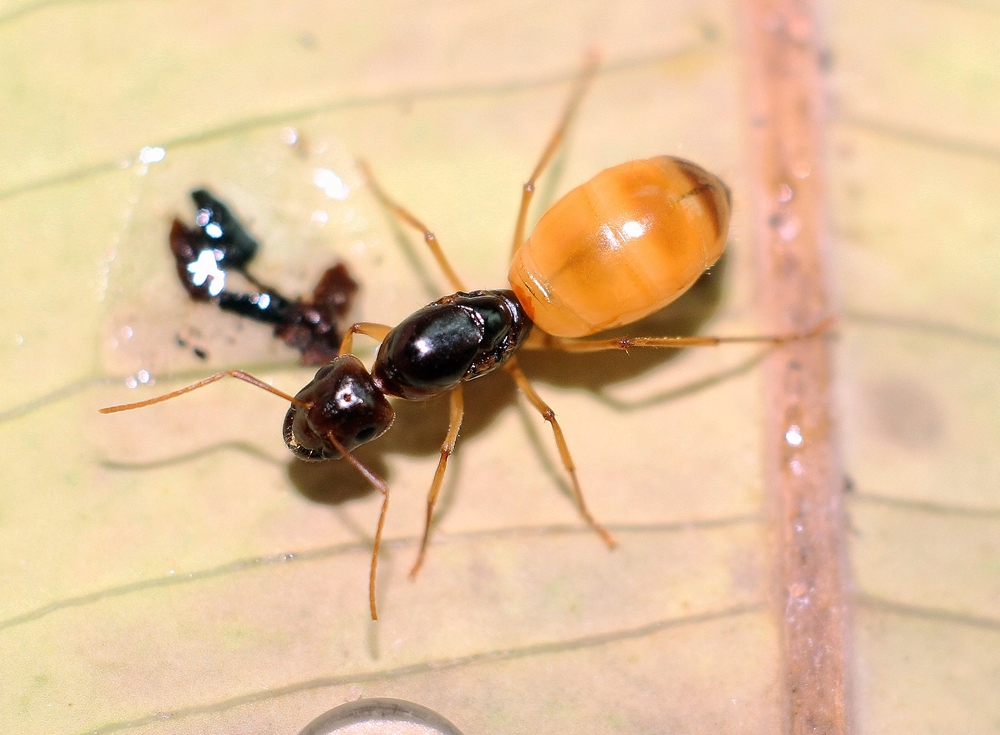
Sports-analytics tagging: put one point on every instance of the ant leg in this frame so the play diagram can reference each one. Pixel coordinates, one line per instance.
(528, 191)
(238, 374)
(549, 415)
(371, 329)
(383, 488)
(547, 341)
(429, 237)
(447, 448)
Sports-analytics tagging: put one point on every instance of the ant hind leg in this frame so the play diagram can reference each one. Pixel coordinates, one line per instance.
(539, 340)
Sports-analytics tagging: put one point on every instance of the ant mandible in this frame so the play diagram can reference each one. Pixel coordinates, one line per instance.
(621, 246)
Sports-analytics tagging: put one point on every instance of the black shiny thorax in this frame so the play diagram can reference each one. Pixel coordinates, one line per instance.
(458, 338)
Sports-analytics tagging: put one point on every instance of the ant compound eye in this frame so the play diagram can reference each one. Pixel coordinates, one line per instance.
(342, 401)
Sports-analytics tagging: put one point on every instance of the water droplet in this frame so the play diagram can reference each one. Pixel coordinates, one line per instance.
(331, 184)
(152, 154)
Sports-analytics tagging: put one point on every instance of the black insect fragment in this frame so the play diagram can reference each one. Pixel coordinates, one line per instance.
(218, 246)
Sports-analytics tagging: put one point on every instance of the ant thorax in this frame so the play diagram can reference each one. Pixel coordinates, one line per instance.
(457, 338)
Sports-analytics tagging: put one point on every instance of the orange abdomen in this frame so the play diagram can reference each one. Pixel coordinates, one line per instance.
(621, 246)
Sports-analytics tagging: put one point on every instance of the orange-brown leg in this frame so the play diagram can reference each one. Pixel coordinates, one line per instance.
(457, 411)
(549, 415)
(528, 191)
(429, 237)
(238, 374)
(380, 485)
(370, 329)
(539, 340)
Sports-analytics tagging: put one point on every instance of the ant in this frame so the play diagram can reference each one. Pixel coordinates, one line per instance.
(619, 247)
(219, 243)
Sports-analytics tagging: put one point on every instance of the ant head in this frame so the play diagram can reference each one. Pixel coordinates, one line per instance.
(341, 400)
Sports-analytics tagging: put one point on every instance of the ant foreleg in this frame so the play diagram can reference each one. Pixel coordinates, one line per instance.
(549, 415)
(370, 329)
(380, 485)
(238, 374)
(457, 411)
(429, 237)
(539, 340)
(528, 190)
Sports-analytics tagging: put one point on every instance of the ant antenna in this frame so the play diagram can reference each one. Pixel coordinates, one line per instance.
(377, 482)
(383, 488)
(238, 374)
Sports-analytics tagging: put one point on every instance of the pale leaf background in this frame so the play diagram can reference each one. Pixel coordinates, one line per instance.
(140, 555)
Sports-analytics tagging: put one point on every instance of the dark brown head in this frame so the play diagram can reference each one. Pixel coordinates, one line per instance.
(341, 400)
